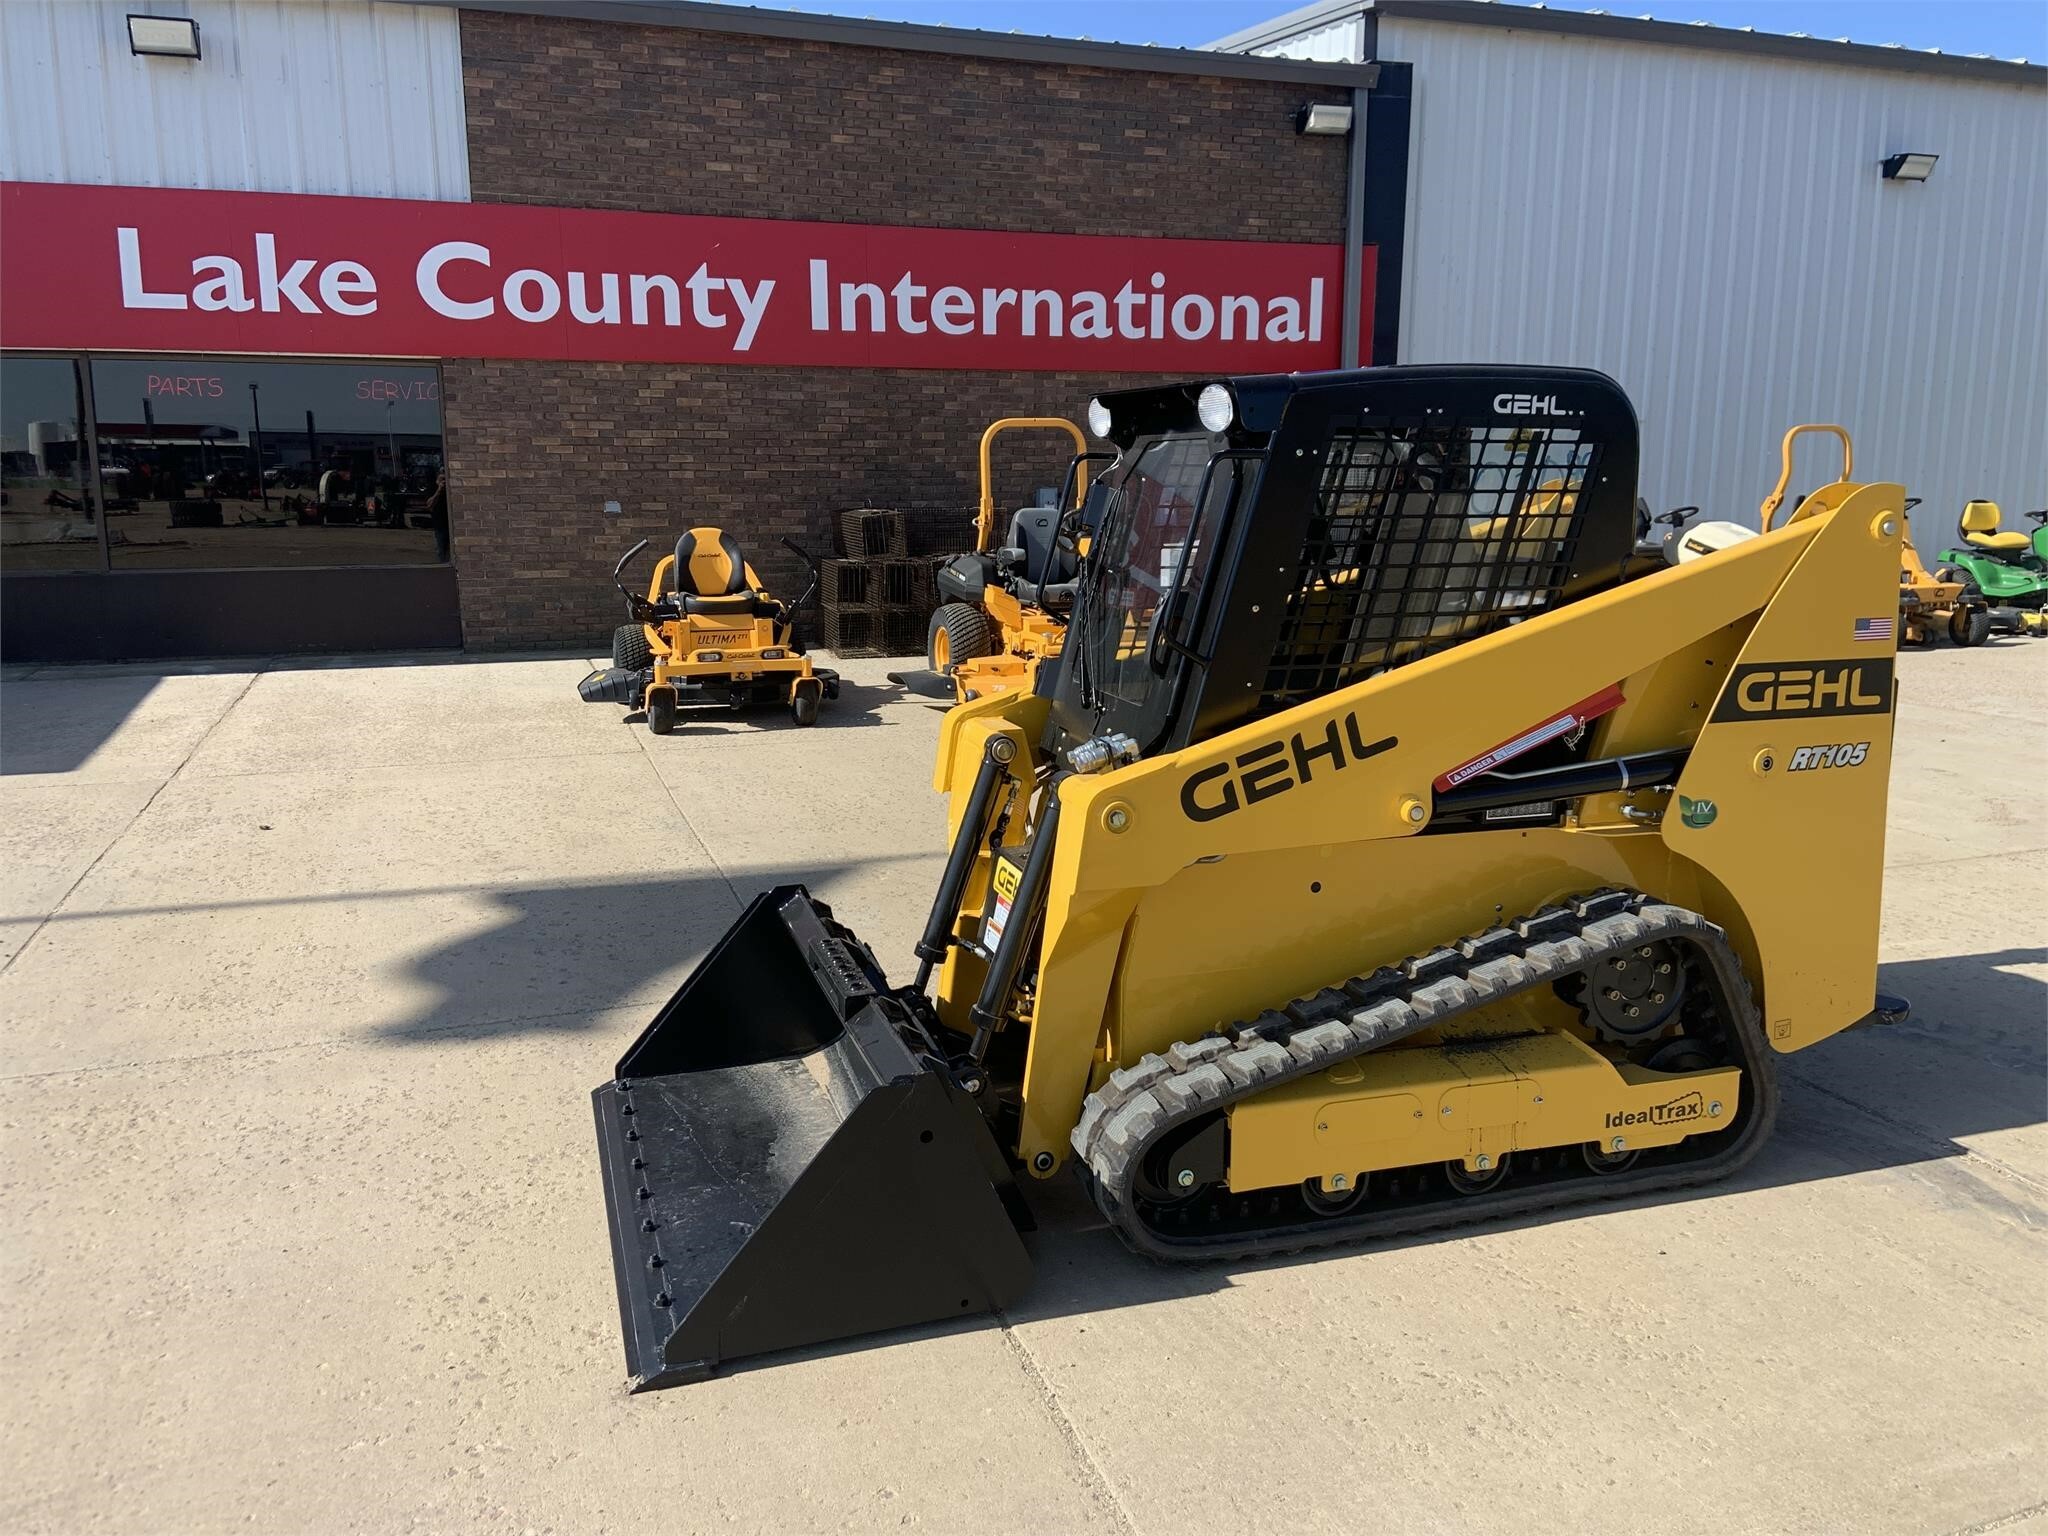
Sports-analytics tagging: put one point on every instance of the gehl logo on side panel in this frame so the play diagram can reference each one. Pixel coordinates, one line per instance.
(1796, 690)
(1274, 768)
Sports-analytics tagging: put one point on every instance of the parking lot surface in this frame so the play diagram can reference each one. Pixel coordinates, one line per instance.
(309, 970)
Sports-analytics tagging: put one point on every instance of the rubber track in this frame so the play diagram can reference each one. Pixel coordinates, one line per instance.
(1121, 1121)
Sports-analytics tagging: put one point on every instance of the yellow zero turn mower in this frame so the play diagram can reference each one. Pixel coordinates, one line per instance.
(708, 632)
(1946, 602)
(1387, 849)
(1003, 608)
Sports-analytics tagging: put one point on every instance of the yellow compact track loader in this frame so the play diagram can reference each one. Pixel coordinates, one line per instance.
(1391, 846)
(1003, 608)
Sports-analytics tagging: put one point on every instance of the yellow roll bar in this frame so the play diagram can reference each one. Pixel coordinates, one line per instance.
(1776, 499)
(985, 518)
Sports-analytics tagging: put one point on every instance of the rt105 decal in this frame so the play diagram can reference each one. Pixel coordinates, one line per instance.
(1847, 754)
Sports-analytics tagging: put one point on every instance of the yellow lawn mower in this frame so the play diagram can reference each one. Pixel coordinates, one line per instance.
(1003, 606)
(708, 632)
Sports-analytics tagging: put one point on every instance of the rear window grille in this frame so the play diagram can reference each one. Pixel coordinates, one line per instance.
(1425, 535)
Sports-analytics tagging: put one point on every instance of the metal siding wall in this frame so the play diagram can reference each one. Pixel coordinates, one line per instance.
(1340, 42)
(331, 96)
(1713, 231)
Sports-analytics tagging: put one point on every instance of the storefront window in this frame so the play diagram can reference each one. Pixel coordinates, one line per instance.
(212, 464)
(47, 519)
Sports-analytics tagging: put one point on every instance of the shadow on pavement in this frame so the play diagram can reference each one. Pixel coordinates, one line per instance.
(1973, 1061)
(55, 729)
(858, 704)
(58, 715)
(567, 956)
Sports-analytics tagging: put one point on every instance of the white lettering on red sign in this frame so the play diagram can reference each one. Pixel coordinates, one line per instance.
(338, 283)
(1090, 313)
(163, 268)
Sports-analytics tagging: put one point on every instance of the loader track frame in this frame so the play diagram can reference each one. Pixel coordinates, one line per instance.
(1141, 1107)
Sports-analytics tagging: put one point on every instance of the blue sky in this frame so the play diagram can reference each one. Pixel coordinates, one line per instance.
(2007, 28)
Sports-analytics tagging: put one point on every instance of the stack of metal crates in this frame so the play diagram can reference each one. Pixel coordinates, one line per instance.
(875, 600)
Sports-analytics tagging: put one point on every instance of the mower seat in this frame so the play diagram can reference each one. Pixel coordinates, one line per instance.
(1035, 530)
(714, 581)
(1980, 530)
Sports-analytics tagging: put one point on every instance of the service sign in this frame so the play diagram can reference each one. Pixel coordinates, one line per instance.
(162, 269)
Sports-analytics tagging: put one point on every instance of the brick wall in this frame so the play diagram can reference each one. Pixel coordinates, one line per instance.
(659, 119)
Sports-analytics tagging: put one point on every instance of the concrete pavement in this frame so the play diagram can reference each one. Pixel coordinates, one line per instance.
(308, 972)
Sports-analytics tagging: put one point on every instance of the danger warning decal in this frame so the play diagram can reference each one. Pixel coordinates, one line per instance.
(1579, 714)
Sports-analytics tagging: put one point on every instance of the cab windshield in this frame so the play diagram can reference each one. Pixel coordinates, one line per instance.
(1147, 568)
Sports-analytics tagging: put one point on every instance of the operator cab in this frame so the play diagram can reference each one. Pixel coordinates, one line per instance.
(1261, 542)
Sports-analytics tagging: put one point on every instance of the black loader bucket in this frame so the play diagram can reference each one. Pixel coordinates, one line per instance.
(783, 1165)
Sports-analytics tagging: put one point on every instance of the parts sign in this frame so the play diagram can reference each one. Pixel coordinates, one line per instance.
(163, 269)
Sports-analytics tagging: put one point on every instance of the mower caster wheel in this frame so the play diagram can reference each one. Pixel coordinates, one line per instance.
(803, 704)
(1969, 626)
(661, 711)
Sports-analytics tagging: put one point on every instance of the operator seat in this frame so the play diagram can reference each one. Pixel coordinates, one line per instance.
(713, 580)
(1980, 530)
(1035, 530)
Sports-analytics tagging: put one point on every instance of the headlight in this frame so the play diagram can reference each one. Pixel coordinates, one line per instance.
(710, 656)
(773, 654)
(1098, 418)
(1215, 408)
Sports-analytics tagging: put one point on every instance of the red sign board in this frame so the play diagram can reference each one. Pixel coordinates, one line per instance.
(160, 269)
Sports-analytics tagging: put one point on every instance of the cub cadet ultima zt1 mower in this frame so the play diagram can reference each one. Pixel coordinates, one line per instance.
(1389, 847)
(708, 632)
(2010, 569)
(1931, 603)
(1003, 608)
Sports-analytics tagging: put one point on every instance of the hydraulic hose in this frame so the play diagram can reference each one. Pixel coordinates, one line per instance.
(987, 1012)
(1643, 770)
(938, 926)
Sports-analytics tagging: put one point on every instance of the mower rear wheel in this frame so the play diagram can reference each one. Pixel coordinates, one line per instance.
(1969, 626)
(958, 632)
(661, 713)
(630, 650)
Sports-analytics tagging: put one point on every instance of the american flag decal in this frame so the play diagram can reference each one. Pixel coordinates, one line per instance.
(1875, 629)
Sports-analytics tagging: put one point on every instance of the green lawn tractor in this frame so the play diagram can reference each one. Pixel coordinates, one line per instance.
(2010, 569)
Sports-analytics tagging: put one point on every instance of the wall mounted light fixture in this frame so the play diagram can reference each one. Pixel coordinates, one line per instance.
(1322, 118)
(1909, 167)
(164, 37)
